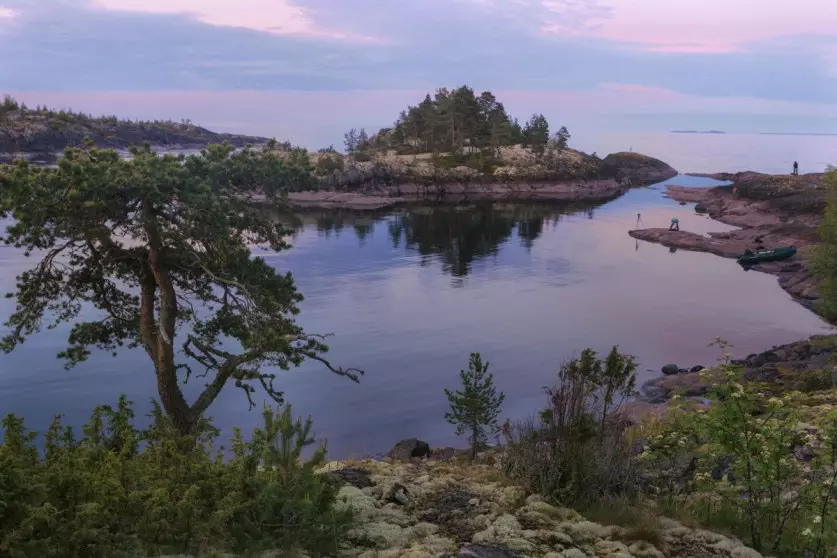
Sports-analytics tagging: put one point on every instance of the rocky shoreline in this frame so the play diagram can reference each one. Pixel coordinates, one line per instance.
(388, 196)
(789, 367)
(385, 183)
(771, 211)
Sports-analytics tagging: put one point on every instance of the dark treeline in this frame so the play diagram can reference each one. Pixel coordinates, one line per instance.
(44, 130)
(10, 105)
(456, 120)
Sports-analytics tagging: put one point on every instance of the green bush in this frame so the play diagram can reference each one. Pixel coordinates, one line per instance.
(747, 479)
(329, 163)
(579, 450)
(120, 491)
(362, 156)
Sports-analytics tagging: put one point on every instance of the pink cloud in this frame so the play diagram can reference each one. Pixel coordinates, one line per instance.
(7, 13)
(281, 17)
(691, 26)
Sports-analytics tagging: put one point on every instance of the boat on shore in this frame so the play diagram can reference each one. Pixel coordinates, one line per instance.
(763, 256)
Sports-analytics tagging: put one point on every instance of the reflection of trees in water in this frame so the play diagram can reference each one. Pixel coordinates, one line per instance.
(457, 236)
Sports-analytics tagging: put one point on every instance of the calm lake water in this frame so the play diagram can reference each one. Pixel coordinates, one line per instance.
(408, 294)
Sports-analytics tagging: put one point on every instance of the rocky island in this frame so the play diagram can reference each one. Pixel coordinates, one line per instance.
(518, 173)
(458, 145)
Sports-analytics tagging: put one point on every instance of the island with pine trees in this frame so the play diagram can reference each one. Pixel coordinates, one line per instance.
(456, 145)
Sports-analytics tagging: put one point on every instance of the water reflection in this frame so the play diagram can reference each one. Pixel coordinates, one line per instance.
(454, 236)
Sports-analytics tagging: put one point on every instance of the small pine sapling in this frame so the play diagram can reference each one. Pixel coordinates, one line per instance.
(474, 408)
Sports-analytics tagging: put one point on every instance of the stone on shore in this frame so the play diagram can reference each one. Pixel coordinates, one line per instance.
(671, 369)
(409, 448)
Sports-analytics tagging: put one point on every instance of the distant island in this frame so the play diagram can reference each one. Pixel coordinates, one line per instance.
(798, 133)
(43, 131)
(697, 132)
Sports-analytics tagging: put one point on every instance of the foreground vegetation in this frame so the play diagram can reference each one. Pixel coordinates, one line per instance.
(121, 491)
(825, 253)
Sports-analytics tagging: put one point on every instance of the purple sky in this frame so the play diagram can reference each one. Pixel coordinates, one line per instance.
(740, 65)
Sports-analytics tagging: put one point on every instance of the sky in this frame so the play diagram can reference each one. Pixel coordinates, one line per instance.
(308, 69)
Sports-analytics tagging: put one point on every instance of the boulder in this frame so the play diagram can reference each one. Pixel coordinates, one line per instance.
(409, 448)
(697, 368)
(671, 369)
(486, 551)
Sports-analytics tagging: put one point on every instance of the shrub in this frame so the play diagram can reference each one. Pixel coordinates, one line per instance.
(120, 491)
(329, 162)
(579, 450)
(747, 478)
(362, 156)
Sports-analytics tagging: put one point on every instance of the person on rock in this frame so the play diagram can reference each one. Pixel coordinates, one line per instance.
(675, 224)
(796, 168)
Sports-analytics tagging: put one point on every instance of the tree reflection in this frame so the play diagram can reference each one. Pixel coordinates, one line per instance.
(454, 236)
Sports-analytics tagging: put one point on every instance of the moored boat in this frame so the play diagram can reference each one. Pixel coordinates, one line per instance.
(762, 256)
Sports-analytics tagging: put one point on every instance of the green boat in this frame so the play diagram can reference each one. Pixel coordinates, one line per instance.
(762, 256)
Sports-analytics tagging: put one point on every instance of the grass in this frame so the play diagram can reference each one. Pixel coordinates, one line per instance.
(636, 515)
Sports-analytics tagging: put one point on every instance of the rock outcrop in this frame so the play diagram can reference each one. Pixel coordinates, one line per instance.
(771, 211)
(800, 366)
(461, 509)
(639, 168)
(389, 179)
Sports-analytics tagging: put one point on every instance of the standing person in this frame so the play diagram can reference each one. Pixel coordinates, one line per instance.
(638, 220)
(795, 168)
(675, 224)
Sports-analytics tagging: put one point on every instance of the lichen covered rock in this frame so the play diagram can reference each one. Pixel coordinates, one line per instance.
(443, 509)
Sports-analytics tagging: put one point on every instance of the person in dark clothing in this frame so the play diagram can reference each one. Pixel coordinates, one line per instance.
(795, 168)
